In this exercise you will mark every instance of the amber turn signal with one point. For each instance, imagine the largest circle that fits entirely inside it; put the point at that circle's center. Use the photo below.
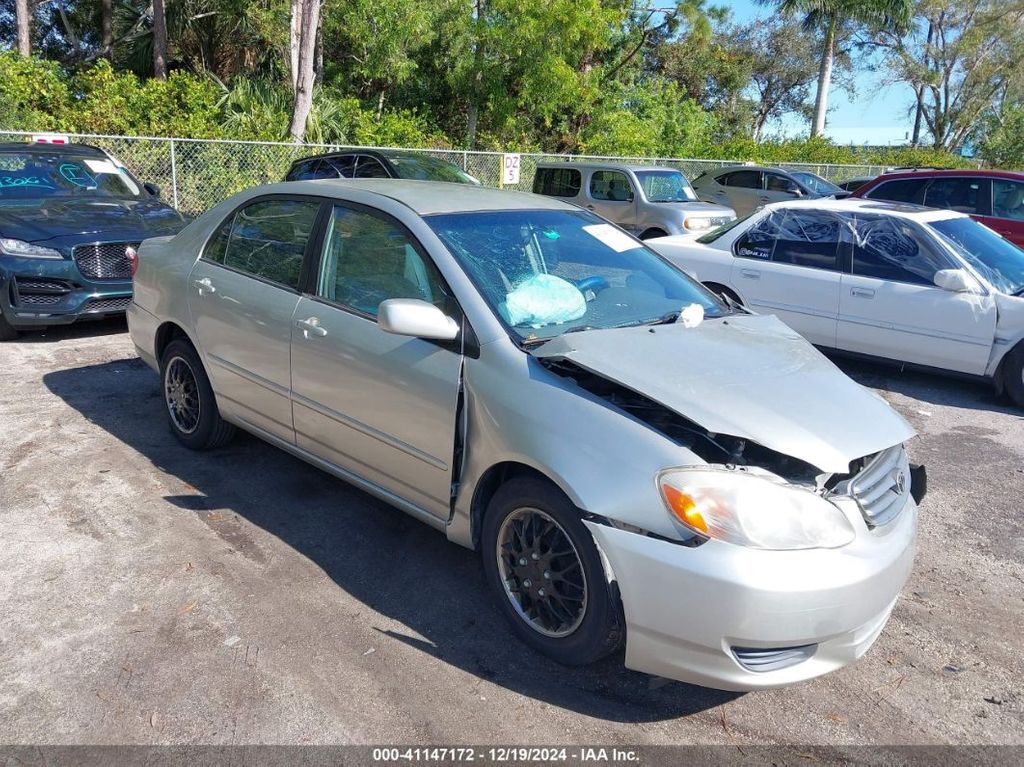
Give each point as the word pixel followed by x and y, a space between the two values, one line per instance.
pixel 684 507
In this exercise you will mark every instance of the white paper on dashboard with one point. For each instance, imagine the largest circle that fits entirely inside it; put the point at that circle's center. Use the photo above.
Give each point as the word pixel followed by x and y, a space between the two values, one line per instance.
pixel 614 238
pixel 101 166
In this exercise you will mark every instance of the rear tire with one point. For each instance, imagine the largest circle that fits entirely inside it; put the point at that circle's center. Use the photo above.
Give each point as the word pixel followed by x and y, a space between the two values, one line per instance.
pixel 191 406
pixel 7 333
pixel 1013 374
pixel 546 573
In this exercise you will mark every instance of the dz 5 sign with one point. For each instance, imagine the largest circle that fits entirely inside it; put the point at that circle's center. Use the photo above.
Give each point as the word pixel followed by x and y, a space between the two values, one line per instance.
pixel 509 169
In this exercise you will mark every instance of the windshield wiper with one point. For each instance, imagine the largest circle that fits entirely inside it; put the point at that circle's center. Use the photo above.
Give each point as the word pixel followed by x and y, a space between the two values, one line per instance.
pixel 1018 292
pixel 530 342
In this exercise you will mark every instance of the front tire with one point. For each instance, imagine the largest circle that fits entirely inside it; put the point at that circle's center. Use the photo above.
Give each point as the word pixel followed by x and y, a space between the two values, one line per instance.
pixel 546 573
pixel 1013 374
pixel 7 332
pixel 191 406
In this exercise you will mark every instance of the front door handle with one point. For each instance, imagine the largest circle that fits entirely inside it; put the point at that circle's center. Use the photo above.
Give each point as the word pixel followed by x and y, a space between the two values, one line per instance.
pixel 862 292
pixel 764 198
pixel 204 285
pixel 311 327
pixel 751 274
pixel 590 207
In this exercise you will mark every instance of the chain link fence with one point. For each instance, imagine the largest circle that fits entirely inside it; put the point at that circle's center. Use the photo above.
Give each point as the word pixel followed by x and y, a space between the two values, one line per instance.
pixel 195 174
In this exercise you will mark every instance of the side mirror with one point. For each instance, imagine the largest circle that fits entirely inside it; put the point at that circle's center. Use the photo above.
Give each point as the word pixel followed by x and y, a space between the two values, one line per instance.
pixel 153 189
pixel 796 191
pixel 954 280
pixel 415 318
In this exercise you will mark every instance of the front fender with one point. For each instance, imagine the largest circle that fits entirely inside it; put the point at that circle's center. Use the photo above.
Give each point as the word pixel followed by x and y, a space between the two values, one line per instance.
pixel 604 460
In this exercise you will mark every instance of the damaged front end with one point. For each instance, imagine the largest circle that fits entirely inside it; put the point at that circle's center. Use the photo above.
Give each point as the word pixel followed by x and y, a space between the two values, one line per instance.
pixel 775 443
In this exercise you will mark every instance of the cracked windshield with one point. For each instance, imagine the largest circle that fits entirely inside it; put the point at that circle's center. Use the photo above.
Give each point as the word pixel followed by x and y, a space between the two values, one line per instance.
pixel 548 272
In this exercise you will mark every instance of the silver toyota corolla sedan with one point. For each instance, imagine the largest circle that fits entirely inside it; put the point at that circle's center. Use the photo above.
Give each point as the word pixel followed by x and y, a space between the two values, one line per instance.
pixel 635 461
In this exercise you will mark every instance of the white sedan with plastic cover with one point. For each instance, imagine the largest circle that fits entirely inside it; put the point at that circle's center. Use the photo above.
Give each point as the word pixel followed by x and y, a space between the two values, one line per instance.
pixel 932 288
pixel 637 462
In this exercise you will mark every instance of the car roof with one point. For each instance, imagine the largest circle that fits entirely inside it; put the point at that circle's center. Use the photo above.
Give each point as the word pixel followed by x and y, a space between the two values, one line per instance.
pixel 429 197
pixel 900 209
pixel 385 153
pixel 740 166
pixel 22 146
pixel 603 166
pixel 938 173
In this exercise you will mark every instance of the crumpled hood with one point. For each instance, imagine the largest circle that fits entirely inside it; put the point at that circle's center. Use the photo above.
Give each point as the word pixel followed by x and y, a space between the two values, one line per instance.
pixel 54 218
pixel 747 376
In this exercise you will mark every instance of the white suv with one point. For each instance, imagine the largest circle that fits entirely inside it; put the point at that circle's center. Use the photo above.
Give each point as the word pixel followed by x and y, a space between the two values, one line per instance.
pixel 902 282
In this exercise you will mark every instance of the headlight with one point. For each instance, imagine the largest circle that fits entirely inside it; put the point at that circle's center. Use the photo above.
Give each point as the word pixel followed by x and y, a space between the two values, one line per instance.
pixel 22 249
pixel 752 510
pixel 697 224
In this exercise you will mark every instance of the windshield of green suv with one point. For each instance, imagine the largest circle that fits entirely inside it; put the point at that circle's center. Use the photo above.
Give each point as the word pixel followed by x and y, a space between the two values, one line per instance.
pixel 816 183
pixel 997 259
pixel 547 272
pixel 31 174
pixel 427 168
pixel 665 186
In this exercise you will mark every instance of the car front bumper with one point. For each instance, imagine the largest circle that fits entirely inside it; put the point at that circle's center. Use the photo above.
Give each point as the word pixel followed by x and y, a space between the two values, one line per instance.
pixel 37 293
pixel 689 609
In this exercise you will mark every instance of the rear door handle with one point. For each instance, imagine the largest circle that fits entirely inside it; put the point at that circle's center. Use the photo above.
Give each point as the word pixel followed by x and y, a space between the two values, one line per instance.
pixel 751 274
pixel 204 285
pixel 862 292
pixel 311 327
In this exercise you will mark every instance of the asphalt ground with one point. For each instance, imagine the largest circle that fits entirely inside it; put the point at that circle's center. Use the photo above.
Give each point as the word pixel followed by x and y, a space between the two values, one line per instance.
pixel 152 595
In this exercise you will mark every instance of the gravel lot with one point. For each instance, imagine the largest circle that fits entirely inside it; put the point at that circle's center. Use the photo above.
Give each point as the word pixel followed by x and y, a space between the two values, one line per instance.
pixel 152 595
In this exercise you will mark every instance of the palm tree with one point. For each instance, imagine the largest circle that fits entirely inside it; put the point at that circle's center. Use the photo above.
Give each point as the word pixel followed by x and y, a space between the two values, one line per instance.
pixel 828 16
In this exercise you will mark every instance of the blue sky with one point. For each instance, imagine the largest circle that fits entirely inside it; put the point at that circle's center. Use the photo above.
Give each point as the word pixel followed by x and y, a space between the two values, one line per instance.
pixel 878 114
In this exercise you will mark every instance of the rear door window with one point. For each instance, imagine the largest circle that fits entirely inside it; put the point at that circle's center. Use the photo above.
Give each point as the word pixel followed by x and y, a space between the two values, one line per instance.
pixel 266 239
pixel 899 190
pixel 369 167
pixel 959 194
pixel 557 182
pixel 808 238
pixel 303 171
pixel 745 179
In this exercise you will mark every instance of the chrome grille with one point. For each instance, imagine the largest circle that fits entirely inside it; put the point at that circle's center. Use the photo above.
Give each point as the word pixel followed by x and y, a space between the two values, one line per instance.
pixel 104 260
pixel 108 304
pixel 882 487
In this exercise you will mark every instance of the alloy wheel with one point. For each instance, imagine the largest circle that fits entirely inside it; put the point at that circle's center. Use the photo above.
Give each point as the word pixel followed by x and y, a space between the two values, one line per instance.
pixel 542 572
pixel 181 392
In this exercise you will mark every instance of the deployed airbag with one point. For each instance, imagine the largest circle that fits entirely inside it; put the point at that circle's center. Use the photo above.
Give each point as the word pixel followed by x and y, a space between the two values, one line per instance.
pixel 545 299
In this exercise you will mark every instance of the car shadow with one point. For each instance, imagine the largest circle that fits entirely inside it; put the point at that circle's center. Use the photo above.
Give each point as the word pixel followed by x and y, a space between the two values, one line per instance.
pixel 936 388
pixel 395 565
pixel 84 329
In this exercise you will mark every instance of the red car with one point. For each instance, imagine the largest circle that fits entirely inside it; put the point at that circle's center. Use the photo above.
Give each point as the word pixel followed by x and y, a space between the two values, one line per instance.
pixel 993 197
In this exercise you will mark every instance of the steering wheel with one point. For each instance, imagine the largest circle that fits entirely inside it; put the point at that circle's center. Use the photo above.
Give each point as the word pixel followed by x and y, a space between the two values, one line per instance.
pixel 594 284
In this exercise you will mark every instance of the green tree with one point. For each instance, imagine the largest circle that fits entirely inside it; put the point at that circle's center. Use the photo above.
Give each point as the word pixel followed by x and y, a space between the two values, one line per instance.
pixel 963 62
pixel 1003 143
pixel 829 18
